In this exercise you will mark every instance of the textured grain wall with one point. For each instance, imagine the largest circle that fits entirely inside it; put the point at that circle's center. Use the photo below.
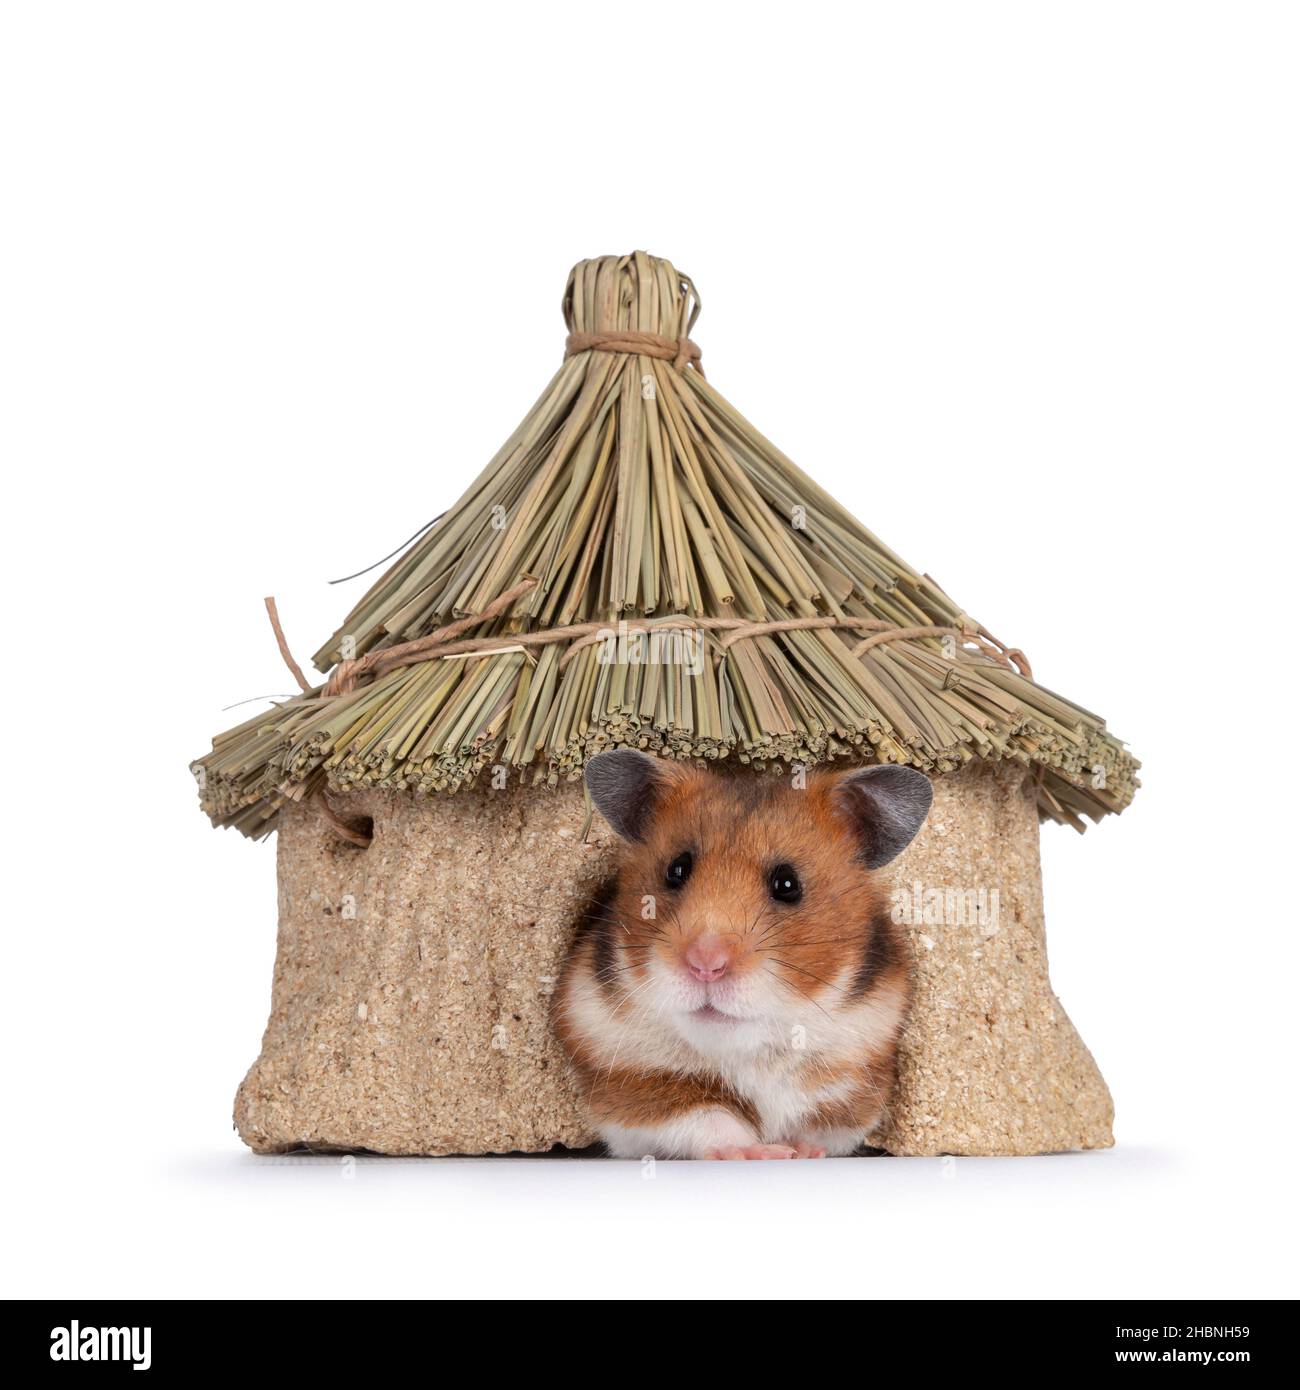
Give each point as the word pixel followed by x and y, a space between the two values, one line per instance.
pixel 990 1062
pixel 412 979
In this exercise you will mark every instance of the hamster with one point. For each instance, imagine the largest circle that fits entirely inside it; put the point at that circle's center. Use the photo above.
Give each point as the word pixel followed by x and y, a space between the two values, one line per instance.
pixel 738 989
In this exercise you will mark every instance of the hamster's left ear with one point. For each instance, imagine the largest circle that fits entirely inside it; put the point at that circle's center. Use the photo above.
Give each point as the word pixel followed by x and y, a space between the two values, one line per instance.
pixel 887 804
pixel 627 788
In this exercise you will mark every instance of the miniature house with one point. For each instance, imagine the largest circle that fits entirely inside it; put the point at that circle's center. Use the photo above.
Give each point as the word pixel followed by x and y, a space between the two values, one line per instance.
pixel 637 566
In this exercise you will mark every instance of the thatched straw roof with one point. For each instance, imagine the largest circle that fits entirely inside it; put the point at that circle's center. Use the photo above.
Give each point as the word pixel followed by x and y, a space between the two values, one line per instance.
pixel 633 491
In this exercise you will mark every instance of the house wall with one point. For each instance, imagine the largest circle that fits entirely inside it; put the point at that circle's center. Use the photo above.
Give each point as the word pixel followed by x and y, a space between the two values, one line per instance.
pixel 412 980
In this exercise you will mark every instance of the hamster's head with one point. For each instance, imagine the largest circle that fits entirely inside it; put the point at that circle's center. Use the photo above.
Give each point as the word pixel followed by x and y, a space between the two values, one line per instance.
pixel 746 906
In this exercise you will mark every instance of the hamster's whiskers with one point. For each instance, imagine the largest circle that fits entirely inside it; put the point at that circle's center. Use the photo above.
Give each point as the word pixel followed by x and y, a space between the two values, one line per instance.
pixel 821 941
pixel 618 1047
pixel 802 993
pixel 790 965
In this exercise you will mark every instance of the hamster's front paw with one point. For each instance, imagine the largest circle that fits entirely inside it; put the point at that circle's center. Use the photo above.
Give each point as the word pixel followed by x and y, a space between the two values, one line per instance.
pixel 799 1148
pixel 759 1151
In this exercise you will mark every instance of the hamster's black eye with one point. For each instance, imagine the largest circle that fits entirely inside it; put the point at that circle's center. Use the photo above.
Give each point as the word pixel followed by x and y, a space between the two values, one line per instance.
pixel 679 870
pixel 785 886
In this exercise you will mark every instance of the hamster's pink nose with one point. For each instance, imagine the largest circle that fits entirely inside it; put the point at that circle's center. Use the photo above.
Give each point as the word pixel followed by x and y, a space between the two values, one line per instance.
pixel 707 959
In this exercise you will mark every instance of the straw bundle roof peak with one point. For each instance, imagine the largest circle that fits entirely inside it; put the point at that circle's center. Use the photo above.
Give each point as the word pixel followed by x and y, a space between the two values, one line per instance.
pixel 639 566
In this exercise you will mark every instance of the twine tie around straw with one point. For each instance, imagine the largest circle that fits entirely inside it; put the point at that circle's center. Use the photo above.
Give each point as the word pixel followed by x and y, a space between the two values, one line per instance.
pixel 579 635
pixel 678 351
pixel 443 642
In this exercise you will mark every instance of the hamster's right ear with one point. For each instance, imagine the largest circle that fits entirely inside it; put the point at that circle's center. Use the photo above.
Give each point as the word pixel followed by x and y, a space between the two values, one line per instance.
pixel 626 787
pixel 887 804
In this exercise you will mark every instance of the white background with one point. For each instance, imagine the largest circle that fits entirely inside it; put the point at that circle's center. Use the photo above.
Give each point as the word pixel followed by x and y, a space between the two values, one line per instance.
pixel 1018 282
